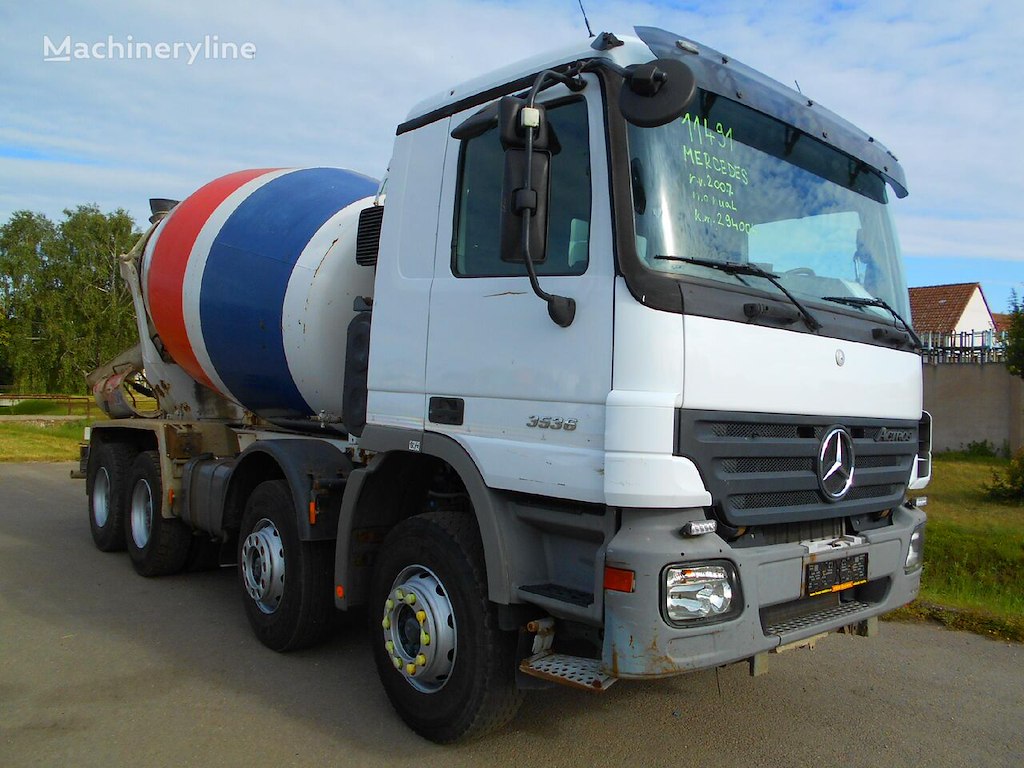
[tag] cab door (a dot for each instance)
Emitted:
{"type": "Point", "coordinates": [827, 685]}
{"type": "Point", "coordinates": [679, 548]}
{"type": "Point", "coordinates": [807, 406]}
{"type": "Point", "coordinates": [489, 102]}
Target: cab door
{"type": "Point", "coordinates": [523, 396]}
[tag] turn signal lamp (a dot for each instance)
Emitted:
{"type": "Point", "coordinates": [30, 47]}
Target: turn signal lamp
{"type": "Point", "coordinates": [916, 547]}
{"type": "Point", "coordinates": [619, 579]}
{"type": "Point", "coordinates": [699, 527]}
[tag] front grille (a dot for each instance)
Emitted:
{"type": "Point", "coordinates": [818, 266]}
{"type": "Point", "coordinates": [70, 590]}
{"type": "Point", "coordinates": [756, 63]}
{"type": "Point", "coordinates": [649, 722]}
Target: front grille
{"type": "Point", "coordinates": [873, 462]}
{"type": "Point", "coordinates": [749, 464]}
{"type": "Point", "coordinates": [805, 498]}
{"type": "Point", "coordinates": [762, 469]}
{"type": "Point", "coordinates": [774, 500]}
{"type": "Point", "coordinates": [756, 431]}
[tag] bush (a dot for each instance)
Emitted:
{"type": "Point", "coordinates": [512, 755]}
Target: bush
{"type": "Point", "coordinates": [980, 448]}
{"type": "Point", "coordinates": [1009, 486]}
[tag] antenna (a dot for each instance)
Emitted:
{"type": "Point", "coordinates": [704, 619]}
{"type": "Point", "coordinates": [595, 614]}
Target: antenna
{"type": "Point", "coordinates": [585, 20]}
{"type": "Point", "coordinates": [798, 87]}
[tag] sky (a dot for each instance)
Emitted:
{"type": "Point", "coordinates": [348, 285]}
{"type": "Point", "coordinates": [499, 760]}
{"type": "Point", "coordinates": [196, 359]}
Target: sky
{"type": "Point", "coordinates": [327, 81]}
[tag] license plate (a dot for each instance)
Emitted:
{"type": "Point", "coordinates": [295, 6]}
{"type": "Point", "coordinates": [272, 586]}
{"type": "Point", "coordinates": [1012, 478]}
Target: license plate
{"type": "Point", "coordinates": [836, 575]}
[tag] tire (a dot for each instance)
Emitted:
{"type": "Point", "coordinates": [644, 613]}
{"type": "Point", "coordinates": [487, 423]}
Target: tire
{"type": "Point", "coordinates": [157, 546]}
{"type": "Point", "coordinates": [107, 488]}
{"type": "Point", "coordinates": [286, 583]}
{"type": "Point", "coordinates": [447, 668]}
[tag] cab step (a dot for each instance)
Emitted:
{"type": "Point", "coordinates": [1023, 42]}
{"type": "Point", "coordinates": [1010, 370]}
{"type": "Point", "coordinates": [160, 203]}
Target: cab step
{"type": "Point", "coordinates": [574, 671]}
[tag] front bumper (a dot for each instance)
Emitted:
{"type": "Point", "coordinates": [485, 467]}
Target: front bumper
{"type": "Point", "coordinates": [640, 643]}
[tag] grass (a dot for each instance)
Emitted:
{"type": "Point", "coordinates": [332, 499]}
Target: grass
{"type": "Point", "coordinates": [50, 408]}
{"type": "Point", "coordinates": [974, 552]}
{"type": "Point", "coordinates": [40, 441]}
{"type": "Point", "coordinates": [84, 407]}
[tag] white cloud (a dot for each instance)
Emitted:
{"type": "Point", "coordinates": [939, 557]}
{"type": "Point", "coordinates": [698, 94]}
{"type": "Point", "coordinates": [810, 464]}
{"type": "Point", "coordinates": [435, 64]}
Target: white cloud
{"type": "Point", "coordinates": [937, 83]}
{"type": "Point", "coordinates": [934, 237]}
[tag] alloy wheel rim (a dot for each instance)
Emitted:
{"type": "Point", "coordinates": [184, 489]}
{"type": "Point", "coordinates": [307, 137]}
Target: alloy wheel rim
{"type": "Point", "coordinates": [263, 566]}
{"type": "Point", "coordinates": [101, 498]}
{"type": "Point", "coordinates": [419, 630]}
{"type": "Point", "coordinates": [142, 514]}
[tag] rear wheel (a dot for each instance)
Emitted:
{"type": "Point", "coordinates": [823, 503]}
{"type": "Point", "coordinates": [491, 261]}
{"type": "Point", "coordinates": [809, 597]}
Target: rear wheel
{"type": "Point", "coordinates": [107, 486]}
{"type": "Point", "coordinates": [447, 668]}
{"type": "Point", "coordinates": [158, 546]}
{"type": "Point", "coordinates": [286, 583]}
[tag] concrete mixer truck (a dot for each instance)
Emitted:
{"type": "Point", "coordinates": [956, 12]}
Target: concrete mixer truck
{"type": "Point", "coordinates": [608, 378]}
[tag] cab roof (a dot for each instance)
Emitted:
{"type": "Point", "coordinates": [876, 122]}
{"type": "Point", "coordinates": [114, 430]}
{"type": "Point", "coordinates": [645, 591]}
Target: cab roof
{"type": "Point", "coordinates": [715, 72]}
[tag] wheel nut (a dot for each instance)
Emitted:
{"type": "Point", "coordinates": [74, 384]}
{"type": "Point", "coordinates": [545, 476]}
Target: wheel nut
{"type": "Point", "coordinates": [390, 646]}
{"type": "Point", "coordinates": [421, 616]}
{"type": "Point", "coordinates": [399, 594]}
{"type": "Point", "coordinates": [424, 638]}
{"type": "Point", "coordinates": [410, 669]}
{"type": "Point", "coordinates": [421, 660]}
{"type": "Point", "coordinates": [410, 599]}
{"type": "Point", "coordinates": [397, 662]}
{"type": "Point", "coordinates": [389, 604]}
{"type": "Point", "coordinates": [386, 623]}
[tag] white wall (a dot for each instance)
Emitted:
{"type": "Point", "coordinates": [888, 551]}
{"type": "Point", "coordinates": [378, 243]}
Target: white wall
{"type": "Point", "coordinates": [976, 316]}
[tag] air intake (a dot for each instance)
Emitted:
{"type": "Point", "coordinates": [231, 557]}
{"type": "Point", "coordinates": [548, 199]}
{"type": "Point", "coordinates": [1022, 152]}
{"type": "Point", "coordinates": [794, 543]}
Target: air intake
{"type": "Point", "coordinates": [368, 236]}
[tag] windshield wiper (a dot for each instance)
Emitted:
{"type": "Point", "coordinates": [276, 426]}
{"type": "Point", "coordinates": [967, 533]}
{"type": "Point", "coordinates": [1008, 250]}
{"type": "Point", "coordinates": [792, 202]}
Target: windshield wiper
{"type": "Point", "coordinates": [857, 301]}
{"type": "Point", "coordinates": [753, 270]}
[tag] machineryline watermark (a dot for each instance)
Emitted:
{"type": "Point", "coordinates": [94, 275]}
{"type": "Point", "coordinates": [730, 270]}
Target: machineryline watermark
{"type": "Point", "coordinates": [209, 48]}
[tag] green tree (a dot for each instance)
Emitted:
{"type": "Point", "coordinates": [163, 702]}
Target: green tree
{"type": "Point", "coordinates": [63, 305]}
{"type": "Point", "coordinates": [1015, 337]}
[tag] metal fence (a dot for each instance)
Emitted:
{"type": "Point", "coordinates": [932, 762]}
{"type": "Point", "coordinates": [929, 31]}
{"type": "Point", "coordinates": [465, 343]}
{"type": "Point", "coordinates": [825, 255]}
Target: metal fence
{"type": "Point", "coordinates": [71, 404]}
{"type": "Point", "coordinates": [965, 347]}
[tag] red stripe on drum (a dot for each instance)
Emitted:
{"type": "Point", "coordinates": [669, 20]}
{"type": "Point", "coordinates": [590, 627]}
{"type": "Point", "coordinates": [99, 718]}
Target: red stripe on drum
{"type": "Point", "coordinates": [168, 261]}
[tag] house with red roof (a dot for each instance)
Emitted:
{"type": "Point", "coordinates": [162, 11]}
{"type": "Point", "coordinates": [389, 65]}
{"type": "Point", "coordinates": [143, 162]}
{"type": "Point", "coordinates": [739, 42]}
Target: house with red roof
{"type": "Point", "coordinates": [950, 309]}
{"type": "Point", "coordinates": [1002, 321]}
{"type": "Point", "coordinates": [972, 398]}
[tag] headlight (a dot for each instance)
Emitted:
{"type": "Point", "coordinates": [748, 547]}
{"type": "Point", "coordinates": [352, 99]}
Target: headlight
{"type": "Point", "coordinates": [916, 546]}
{"type": "Point", "coordinates": [696, 592]}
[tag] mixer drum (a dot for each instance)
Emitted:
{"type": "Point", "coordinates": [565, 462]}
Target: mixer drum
{"type": "Point", "coordinates": [250, 284]}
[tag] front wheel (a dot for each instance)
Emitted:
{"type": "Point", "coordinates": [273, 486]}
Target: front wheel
{"type": "Point", "coordinates": [447, 668]}
{"type": "Point", "coordinates": [286, 583]}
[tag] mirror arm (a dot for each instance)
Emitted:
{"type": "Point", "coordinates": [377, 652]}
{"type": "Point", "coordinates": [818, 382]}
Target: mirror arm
{"type": "Point", "coordinates": [592, 65]}
{"type": "Point", "coordinates": [570, 78]}
{"type": "Point", "coordinates": [561, 309]}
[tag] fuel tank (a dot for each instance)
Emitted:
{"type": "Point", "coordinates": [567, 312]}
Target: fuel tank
{"type": "Point", "coordinates": [250, 283]}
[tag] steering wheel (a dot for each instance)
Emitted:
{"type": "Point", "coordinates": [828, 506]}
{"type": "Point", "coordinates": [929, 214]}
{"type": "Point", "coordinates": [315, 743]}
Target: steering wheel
{"type": "Point", "coordinates": [800, 272]}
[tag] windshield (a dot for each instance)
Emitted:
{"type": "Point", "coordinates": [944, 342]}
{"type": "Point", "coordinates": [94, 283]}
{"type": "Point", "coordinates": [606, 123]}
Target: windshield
{"type": "Point", "coordinates": [729, 184]}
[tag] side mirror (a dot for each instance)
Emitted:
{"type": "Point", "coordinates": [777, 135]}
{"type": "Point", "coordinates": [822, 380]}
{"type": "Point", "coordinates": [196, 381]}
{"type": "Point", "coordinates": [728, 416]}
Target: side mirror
{"type": "Point", "coordinates": [524, 205]}
{"type": "Point", "coordinates": [657, 93]}
{"type": "Point", "coordinates": [521, 194]}
{"type": "Point", "coordinates": [516, 199]}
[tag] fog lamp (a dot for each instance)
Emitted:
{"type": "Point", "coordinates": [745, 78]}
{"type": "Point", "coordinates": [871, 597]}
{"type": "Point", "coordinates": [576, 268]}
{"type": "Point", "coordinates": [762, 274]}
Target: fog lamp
{"type": "Point", "coordinates": [695, 592]}
{"type": "Point", "coordinates": [916, 547]}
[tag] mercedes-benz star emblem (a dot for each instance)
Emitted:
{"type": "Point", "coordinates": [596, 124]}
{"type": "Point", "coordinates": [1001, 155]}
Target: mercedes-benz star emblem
{"type": "Point", "coordinates": [835, 463]}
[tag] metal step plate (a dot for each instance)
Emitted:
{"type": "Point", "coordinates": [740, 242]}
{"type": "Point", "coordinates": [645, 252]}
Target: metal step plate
{"type": "Point", "coordinates": [818, 617]}
{"type": "Point", "coordinates": [573, 671]}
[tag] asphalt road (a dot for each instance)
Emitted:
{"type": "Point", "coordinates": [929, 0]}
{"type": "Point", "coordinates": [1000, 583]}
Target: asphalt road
{"type": "Point", "coordinates": [99, 667]}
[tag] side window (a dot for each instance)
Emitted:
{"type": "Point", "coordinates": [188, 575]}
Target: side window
{"type": "Point", "coordinates": [477, 246]}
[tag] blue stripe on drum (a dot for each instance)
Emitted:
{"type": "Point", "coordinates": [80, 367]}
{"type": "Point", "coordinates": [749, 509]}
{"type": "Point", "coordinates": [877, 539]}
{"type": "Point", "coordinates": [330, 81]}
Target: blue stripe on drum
{"type": "Point", "coordinates": [246, 276]}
